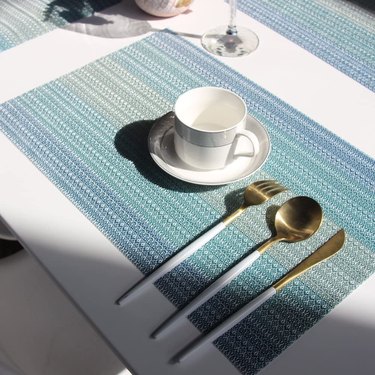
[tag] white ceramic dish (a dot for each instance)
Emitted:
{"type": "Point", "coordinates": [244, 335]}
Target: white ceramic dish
{"type": "Point", "coordinates": [161, 147]}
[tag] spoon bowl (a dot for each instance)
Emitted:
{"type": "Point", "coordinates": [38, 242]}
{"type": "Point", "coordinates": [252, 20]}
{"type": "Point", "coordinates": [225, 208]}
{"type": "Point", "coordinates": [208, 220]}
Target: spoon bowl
{"type": "Point", "coordinates": [298, 219]}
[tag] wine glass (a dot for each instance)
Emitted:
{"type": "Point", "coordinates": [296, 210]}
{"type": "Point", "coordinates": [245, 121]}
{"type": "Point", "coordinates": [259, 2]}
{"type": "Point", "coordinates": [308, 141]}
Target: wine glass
{"type": "Point", "coordinates": [231, 40]}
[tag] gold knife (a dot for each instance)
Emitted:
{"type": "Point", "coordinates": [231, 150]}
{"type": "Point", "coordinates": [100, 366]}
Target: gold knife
{"type": "Point", "coordinates": [330, 248]}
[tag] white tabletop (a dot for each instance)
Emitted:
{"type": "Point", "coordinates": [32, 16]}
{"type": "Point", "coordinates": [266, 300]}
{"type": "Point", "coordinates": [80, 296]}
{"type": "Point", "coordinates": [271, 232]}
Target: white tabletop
{"type": "Point", "coordinates": [94, 273]}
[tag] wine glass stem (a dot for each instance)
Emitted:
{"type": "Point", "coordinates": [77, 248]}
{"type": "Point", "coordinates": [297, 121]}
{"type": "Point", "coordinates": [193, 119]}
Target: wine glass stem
{"type": "Point", "coordinates": [232, 29]}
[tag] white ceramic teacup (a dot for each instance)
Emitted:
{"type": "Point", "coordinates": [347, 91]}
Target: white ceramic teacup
{"type": "Point", "coordinates": [208, 124]}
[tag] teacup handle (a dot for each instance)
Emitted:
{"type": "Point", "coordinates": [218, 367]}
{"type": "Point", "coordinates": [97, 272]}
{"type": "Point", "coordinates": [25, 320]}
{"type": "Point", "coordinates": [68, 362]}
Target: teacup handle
{"type": "Point", "coordinates": [252, 138]}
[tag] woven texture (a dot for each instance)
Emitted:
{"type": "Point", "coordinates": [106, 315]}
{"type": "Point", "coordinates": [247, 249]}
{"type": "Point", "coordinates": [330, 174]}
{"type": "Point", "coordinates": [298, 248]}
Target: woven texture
{"type": "Point", "coordinates": [88, 132]}
{"type": "Point", "coordinates": [22, 20]}
{"type": "Point", "coordinates": [340, 32]}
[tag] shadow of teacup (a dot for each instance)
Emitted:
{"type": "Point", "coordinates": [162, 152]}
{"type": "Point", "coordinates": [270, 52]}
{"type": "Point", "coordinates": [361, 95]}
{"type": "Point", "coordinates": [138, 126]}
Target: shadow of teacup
{"type": "Point", "coordinates": [131, 142]}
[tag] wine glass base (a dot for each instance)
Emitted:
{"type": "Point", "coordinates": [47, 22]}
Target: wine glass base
{"type": "Point", "coordinates": [219, 42]}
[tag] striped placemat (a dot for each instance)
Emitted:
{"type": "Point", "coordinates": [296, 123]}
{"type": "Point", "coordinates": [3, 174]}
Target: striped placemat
{"type": "Point", "coordinates": [22, 20]}
{"type": "Point", "coordinates": [340, 32]}
{"type": "Point", "coordinates": [87, 132]}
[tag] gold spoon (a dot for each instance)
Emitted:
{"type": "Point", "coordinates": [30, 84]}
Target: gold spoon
{"type": "Point", "coordinates": [296, 220]}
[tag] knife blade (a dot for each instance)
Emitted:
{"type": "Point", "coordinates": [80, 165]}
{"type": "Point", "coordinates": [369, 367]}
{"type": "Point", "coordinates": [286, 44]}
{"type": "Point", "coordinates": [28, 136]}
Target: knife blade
{"type": "Point", "coordinates": [327, 250]}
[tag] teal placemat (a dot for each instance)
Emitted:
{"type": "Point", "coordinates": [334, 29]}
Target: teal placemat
{"type": "Point", "coordinates": [88, 132]}
{"type": "Point", "coordinates": [22, 20]}
{"type": "Point", "coordinates": [340, 32]}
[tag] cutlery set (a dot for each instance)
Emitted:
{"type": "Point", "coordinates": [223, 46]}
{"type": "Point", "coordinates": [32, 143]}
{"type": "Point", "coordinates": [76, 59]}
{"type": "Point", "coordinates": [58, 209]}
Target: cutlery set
{"type": "Point", "coordinates": [296, 220]}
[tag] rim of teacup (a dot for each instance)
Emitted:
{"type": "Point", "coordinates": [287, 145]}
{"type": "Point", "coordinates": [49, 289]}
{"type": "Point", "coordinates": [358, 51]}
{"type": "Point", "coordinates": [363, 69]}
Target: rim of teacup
{"type": "Point", "coordinates": [209, 88]}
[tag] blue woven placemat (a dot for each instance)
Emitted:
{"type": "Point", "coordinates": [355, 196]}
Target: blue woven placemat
{"type": "Point", "coordinates": [22, 20]}
{"type": "Point", "coordinates": [340, 32]}
{"type": "Point", "coordinates": [88, 131]}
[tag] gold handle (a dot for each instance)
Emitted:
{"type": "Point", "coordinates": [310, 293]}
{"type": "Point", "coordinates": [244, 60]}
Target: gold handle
{"type": "Point", "coordinates": [234, 215]}
{"type": "Point", "coordinates": [331, 247]}
{"type": "Point", "coordinates": [269, 243]}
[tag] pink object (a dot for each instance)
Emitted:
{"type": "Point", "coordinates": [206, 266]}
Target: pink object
{"type": "Point", "coordinates": [164, 8]}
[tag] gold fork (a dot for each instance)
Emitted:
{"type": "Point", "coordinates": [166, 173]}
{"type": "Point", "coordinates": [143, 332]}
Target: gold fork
{"type": "Point", "coordinates": [257, 193]}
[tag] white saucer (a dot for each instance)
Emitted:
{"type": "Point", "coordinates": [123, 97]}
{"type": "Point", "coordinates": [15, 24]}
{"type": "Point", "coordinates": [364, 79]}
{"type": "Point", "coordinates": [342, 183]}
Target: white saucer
{"type": "Point", "coordinates": [161, 147]}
